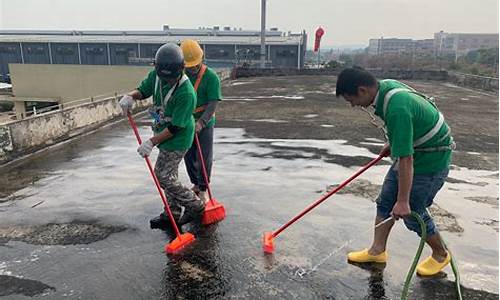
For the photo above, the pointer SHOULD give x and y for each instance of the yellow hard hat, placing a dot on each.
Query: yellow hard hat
(193, 55)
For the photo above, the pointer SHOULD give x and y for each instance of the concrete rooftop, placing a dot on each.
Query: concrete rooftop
(74, 220)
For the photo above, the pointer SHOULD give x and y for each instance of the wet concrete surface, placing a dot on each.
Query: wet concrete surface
(58, 234)
(74, 222)
(12, 285)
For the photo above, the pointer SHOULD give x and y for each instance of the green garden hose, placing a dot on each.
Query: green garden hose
(423, 238)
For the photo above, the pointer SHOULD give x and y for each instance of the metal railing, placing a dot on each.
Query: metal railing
(475, 76)
(74, 103)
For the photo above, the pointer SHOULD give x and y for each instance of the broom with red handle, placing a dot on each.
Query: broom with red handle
(181, 240)
(214, 211)
(268, 242)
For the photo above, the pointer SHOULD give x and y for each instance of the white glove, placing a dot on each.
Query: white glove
(126, 103)
(145, 148)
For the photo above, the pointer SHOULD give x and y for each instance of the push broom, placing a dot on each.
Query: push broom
(181, 240)
(269, 236)
(214, 211)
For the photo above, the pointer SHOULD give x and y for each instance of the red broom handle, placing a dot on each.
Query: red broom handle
(148, 162)
(203, 168)
(310, 207)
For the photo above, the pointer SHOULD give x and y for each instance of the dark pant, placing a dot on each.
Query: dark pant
(193, 165)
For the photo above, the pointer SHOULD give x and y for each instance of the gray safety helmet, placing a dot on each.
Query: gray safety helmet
(169, 61)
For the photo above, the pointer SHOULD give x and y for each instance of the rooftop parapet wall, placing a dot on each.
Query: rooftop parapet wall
(391, 73)
(38, 132)
(473, 81)
(464, 80)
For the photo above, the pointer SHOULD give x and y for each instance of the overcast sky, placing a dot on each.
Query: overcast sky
(346, 22)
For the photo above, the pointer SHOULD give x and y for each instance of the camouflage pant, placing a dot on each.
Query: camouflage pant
(182, 200)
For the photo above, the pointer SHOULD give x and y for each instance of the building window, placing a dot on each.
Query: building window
(65, 50)
(215, 54)
(35, 50)
(247, 53)
(7, 49)
(120, 50)
(285, 53)
(94, 50)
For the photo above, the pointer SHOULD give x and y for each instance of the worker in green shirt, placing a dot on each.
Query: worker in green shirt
(174, 100)
(419, 141)
(207, 86)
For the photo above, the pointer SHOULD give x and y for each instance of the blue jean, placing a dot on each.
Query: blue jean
(423, 190)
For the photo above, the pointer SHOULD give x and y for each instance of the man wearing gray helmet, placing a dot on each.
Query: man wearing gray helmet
(174, 100)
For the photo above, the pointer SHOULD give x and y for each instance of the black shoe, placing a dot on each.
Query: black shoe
(189, 216)
(161, 222)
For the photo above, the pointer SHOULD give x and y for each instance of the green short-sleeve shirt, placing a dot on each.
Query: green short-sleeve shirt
(179, 108)
(408, 117)
(208, 90)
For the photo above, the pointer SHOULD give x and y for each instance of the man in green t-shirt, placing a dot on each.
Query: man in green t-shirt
(174, 100)
(420, 142)
(207, 86)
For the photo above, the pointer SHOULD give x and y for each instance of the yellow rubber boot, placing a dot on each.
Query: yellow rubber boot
(430, 266)
(364, 257)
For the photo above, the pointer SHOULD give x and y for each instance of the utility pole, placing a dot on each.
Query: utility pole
(319, 57)
(263, 34)
(440, 50)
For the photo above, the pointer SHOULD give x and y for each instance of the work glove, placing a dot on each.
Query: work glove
(145, 148)
(126, 103)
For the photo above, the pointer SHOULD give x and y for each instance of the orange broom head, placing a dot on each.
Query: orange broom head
(268, 243)
(214, 212)
(179, 243)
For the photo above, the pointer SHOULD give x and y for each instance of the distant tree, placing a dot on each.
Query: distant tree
(333, 64)
(346, 58)
(360, 59)
(482, 56)
(455, 66)
(474, 70)
(482, 62)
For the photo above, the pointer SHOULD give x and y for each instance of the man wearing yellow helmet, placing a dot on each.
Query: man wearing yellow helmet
(207, 86)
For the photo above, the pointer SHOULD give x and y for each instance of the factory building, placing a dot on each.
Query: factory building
(223, 48)
(443, 43)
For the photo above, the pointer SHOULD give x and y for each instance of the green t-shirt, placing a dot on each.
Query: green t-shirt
(208, 90)
(409, 117)
(179, 109)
